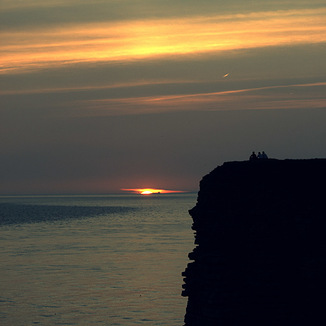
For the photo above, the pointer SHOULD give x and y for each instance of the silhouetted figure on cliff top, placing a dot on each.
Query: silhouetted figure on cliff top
(260, 156)
(253, 157)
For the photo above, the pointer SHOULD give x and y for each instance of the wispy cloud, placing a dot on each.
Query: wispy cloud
(269, 97)
(10, 4)
(134, 40)
(112, 86)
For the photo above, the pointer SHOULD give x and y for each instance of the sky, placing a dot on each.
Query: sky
(102, 95)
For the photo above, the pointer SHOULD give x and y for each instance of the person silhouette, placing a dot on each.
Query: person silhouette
(260, 155)
(264, 156)
(253, 156)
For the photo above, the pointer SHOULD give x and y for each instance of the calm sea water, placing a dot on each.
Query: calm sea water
(94, 260)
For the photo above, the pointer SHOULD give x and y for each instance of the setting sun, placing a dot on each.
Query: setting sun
(147, 192)
(151, 191)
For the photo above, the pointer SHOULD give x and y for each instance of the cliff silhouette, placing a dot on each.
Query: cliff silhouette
(260, 259)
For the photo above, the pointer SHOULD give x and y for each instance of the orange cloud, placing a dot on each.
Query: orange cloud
(133, 40)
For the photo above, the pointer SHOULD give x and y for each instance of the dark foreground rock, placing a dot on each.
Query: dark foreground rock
(260, 257)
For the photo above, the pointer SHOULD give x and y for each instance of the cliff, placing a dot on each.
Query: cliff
(260, 259)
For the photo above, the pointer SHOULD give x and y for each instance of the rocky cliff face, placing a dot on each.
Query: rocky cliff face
(260, 259)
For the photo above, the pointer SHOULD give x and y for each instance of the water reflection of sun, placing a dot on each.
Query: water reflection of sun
(151, 191)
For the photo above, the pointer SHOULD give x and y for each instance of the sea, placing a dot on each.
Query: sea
(94, 260)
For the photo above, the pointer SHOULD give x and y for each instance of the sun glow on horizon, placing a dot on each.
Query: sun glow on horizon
(151, 191)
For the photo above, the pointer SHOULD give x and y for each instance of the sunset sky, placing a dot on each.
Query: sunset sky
(103, 95)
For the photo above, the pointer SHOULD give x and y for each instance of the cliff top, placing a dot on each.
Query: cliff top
(308, 175)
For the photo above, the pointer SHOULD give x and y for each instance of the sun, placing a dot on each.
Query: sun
(147, 192)
(151, 191)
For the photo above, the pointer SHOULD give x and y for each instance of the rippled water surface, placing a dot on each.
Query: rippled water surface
(109, 260)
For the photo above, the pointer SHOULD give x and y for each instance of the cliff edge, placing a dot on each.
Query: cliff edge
(260, 259)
